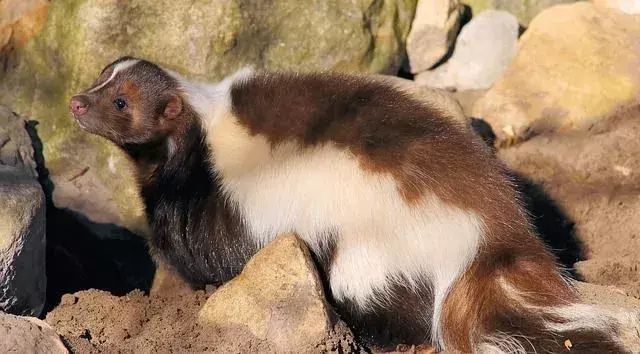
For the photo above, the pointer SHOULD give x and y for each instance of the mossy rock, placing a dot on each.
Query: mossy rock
(202, 40)
(524, 10)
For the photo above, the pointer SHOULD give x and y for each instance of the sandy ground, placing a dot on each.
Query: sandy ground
(583, 189)
(94, 321)
(594, 177)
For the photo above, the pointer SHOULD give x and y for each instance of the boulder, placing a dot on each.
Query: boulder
(524, 10)
(484, 50)
(22, 221)
(19, 21)
(202, 40)
(576, 64)
(433, 32)
(21, 334)
(630, 7)
(278, 298)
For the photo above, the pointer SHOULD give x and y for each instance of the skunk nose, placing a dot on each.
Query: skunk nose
(79, 104)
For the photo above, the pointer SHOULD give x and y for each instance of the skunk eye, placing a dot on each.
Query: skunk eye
(120, 103)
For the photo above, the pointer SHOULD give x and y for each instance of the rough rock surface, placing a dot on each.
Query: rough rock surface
(203, 40)
(525, 10)
(22, 221)
(576, 64)
(278, 298)
(631, 7)
(28, 335)
(433, 32)
(484, 49)
(19, 21)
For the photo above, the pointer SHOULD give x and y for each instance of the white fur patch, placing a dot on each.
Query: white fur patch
(211, 100)
(121, 66)
(379, 235)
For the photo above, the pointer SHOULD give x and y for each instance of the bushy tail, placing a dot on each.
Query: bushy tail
(510, 304)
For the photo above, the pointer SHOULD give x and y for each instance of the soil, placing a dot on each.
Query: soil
(95, 321)
(594, 178)
(582, 188)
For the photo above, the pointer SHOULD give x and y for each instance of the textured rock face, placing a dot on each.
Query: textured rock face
(631, 7)
(19, 21)
(484, 50)
(278, 298)
(576, 64)
(22, 221)
(28, 335)
(203, 40)
(433, 32)
(525, 10)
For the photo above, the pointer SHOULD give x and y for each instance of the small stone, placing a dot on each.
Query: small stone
(28, 335)
(484, 50)
(68, 299)
(277, 298)
(433, 32)
(567, 344)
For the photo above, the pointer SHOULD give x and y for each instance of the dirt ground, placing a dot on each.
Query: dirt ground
(594, 178)
(94, 321)
(583, 189)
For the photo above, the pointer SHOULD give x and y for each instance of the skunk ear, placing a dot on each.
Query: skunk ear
(172, 106)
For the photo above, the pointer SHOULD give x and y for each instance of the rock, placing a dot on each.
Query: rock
(433, 32)
(484, 50)
(202, 40)
(576, 64)
(19, 21)
(28, 335)
(278, 298)
(629, 7)
(22, 220)
(524, 10)
(467, 99)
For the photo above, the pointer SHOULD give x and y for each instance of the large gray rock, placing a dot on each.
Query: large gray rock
(203, 40)
(22, 221)
(28, 335)
(485, 48)
(433, 32)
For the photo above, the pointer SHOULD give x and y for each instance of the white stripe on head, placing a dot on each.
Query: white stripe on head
(116, 69)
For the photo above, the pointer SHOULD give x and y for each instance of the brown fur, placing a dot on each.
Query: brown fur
(391, 132)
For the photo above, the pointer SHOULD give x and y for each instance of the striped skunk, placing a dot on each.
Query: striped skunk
(414, 224)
